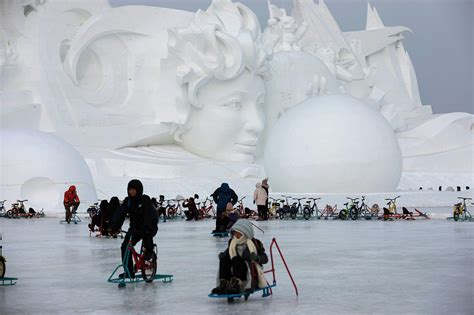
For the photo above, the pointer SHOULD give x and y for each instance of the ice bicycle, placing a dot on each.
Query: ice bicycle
(4, 281)
(266, 291)
(220, 234)
(147, 267)
(74, 219)
(460, 212)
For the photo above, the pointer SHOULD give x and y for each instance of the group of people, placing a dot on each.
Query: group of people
(240, 265)
(103, 218)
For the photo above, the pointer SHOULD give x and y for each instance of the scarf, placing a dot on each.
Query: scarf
(251, 246)
(240, 241)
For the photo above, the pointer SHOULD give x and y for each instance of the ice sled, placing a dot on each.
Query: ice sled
(266, 291)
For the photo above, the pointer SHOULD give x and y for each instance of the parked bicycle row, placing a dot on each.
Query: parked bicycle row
(355, 208)
(18, 210)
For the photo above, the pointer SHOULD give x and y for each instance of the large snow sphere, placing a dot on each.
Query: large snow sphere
(332, 144)
(39, 167)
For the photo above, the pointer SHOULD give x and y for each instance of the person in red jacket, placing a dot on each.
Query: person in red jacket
(71, 199)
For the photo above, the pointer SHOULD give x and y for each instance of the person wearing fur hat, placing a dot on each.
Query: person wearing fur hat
(240, 265)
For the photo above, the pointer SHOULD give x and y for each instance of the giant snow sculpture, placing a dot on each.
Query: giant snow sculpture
(170, 94)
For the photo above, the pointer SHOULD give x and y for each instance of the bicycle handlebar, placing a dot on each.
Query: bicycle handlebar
(393, 198)
(22, 200)
(352, 199)
(464, 198)
(241, 199)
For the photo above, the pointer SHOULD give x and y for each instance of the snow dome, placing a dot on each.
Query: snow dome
(333, 144)
(39, 167)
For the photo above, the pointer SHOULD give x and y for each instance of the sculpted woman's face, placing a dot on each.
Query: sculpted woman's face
(230, 121)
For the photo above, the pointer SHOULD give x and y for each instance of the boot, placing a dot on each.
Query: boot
(235, 286)
(223, 283)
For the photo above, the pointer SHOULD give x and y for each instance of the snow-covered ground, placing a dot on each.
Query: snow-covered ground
(350, 267)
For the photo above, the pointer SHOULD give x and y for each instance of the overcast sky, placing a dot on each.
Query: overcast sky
(441, 47)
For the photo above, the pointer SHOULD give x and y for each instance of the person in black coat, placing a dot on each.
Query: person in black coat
(143, 221)
(96, 220)
(222, 196)
(192, 212)
(243, 250)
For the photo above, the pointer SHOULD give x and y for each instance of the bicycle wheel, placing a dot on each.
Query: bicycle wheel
(342, 214)
(281, 215)
(149, 267)
(293, 212)
(3, 267)
(354, 213)
(306, 213)
(456, 216)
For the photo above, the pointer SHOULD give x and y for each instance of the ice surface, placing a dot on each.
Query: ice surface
(423, 266)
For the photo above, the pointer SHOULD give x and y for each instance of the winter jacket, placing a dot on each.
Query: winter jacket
(191, 205)
(222, 196)
(143, 217)
(262, 256)
(70, 195)
(260, 196)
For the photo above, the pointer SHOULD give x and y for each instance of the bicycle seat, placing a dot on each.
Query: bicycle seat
(346, 204)
(15, 204)
(458, 204)
(308, 202)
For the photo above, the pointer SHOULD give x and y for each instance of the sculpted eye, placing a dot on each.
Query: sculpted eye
(234, 105)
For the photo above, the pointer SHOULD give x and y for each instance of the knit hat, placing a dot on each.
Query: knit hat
(244, 226)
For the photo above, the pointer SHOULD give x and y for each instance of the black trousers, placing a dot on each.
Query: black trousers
(69, 212)
(236, 267)
(136, 237)
(222, 221)
(261, 211)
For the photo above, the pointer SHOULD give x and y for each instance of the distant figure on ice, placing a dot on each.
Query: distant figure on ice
(240, 265)
(71, 199)
(222, 196)
(260, 198)
(143, 221)
(97, 219)
(192, 212)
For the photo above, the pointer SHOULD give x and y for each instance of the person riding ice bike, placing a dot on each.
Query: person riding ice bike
(71, 200)
(143, 222)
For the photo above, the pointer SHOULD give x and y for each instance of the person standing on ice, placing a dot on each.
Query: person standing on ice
(241, 261)
(260, 198)
(222, 196)
(71, 199)
(267, 188)
(143, 221)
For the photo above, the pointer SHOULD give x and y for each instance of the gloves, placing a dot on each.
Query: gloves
(254, 257)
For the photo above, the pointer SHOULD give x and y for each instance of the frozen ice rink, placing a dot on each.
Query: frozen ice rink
(340, 267)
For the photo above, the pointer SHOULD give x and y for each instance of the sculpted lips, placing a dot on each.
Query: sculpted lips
(247, 146)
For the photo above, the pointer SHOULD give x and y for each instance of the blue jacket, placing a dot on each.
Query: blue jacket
(222, 196)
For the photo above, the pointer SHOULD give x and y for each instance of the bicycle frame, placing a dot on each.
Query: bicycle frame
(392, 204)
(204, 210)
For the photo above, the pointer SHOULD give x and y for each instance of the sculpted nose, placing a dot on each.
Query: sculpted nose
(254, 119)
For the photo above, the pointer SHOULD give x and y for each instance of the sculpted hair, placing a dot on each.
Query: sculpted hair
(220, 43)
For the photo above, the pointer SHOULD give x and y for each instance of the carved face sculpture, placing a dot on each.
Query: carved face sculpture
(288, 24)
(230, 120)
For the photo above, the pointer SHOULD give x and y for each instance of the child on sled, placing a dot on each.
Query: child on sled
(240, 265)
